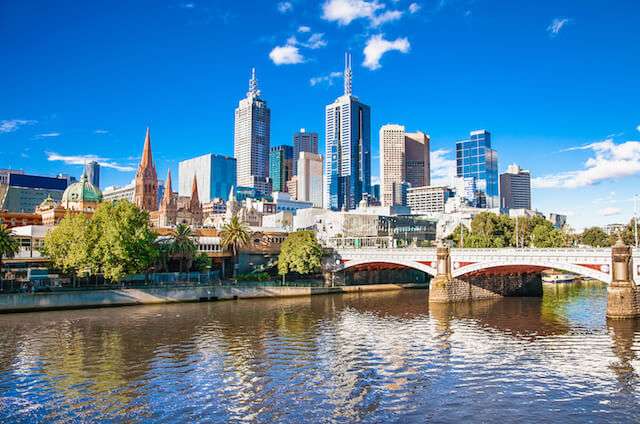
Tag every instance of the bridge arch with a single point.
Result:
(545, 264)
(408, 264)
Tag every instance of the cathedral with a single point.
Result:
(173, 209)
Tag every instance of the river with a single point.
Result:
(376, 357)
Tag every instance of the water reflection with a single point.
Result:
(360, 357)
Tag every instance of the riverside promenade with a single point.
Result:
(79, 299)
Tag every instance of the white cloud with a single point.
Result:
(286, 55)
(11, 125)
(316, 41)
(187, 5)
(304, 28)
(556, 25)
(377, 46)
(101, 131)
(638, 127)
(82, 159)
(443, 169)
(610, 161)
(388, 16)
(414, 7)
(48, 135)
(610, 211)
(346, 11)
(285, 7)
(325, 79)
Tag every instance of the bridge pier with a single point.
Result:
(623, 298)
(446, 289)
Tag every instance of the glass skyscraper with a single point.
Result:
(475, 158)
(280, 166)
(348, 149)
(216, 175)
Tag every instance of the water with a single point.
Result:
(378, 357)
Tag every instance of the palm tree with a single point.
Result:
(235, 234)
(9, 246)
(183, 247)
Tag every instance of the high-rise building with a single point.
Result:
(23, 192)
(146, 190)
(515, 188)
(280, 167)
(404, 162)
(348, 149)
(476, 158)
(92, 171)
(310, 178)
(303, 141)
(252, 136)
(216, 175)
(375, 189)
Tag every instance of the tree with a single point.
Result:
(70, 245)
(125, 242)
(595, 237)
(544, 236)
(182, 247)
(235, 235)
(300, 253)
(9, 246)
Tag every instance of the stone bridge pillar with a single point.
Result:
(622, 299)
(441, 288)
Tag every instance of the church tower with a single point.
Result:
(195, 207)
(168, 205)
(146, 191)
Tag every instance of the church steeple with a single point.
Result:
(146, 191)
(168, 191)
(195, 200)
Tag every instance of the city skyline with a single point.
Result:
(585, 108)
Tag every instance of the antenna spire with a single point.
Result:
(253, 85)
(347, 74)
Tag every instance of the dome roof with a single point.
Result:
(81, 191)
(47, 204)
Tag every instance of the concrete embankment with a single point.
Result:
(20, 302)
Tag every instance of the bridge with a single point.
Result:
(453, 270)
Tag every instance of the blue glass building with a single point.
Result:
(475, 158)
(280, 166)
(348, 149)
(216, 175)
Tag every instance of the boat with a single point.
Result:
(556, 277)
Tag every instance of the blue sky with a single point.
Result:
(556, 82)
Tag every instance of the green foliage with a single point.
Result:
(254, 276)
(201, 262)
(235, 234)
(115, 241)
(8, 244)
(183, 247)
(595, 237)
(300, 253)
(489, 230)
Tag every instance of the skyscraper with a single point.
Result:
(309, 186)
(252, 134)
(303, 141)
(348, 149)
(146, 182)
(404, 162)
(476, 158)
(515, 188)
(216, 175)
(280, 167)
(92, 171)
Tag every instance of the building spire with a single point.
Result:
(168, 190)
(253, 85)
(194, 191)
(147, 158)
(347, 74)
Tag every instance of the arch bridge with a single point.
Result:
(618, 266)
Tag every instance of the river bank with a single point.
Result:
(81, 299)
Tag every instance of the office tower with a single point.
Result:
(476, 158)
(515, 188)
(375, 188)
(404, 162)
(310, 178)
(428, 199)
(280, 167)
(23, 192)
(4, 174)
(303, 141)
(252, 140)
(292, 187)
(146, 191)
(348, 149)
(216, 175)
(92, 171)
